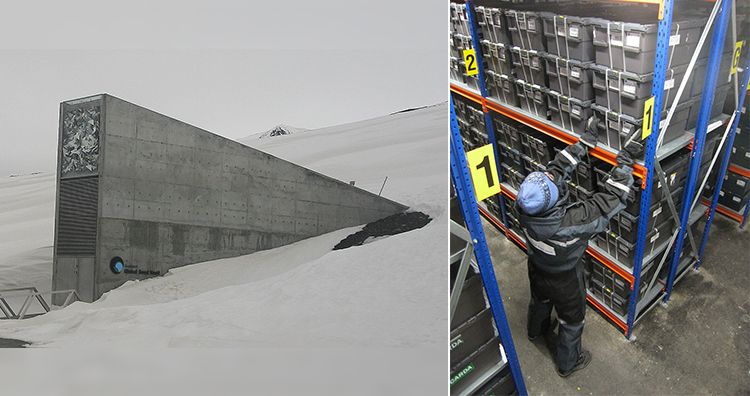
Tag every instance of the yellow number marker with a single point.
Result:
(471, 62)
(483, 171)
(648, 118)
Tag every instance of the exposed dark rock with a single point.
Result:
(390, 225)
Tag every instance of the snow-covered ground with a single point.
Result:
(389, 293)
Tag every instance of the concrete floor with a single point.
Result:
(698, 345)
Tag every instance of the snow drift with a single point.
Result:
(388, 293)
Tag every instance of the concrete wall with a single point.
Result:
(171, 194)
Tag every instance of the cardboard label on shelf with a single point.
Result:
(648, 117)
(669, 84)
(573, 31)
(482, 167)
(633, 40)
(736, 57)
(471, 62)
(674, 40)
(615, 40)
(741, 183)
(629, 87)
(575, 72)
(531, 24)
(561, 30)
(576, 111)
(655, 237)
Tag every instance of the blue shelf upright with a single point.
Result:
(709, 85)
(660, 71)
(467, 199)
(473, 27)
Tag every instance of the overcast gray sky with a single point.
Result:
(233, 68)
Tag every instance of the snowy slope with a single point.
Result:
(389, 293)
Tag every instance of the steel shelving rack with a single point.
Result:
(654, 153)
(741, 215)
(462, 183)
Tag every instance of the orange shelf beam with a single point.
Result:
(724, 211)
(508, 193)
(606, 311)
(496, 222)
(603, 155)
(611, 266)
(518, 240)
(739, 171)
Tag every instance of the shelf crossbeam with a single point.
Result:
(467, 201)
(707, 99)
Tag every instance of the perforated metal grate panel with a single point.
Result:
(76, 234)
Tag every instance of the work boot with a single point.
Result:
(583, 360)
(550, 328)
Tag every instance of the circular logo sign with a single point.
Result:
(116, 265)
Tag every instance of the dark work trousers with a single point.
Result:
(566, 292)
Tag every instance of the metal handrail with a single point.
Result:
(31, 293)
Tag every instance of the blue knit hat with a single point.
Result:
(537, 193)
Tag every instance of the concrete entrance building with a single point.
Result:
(140, 193)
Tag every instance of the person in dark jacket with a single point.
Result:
(557, 234)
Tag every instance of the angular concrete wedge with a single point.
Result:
(139, 193)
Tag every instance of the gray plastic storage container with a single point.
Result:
(471, 301)
(569, 37)
(475, 366)
(627, 92)
(570, 114)
(525, 29)
(728, 43)
(632, 46)
(500, 384)
(491, 23)
(497, 57)
(529, 65)
(470, 335)
(720, 96)
(532, 98)
(569, 77)
(698, 75)
(506, 90)
(615, 128)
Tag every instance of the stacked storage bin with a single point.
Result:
(471, 124)
(736, 186)
(475, 347)
(460, 40)
(570, 55)
(497, 55)
(623, 76)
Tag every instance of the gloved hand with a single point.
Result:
(589, 136)
(632, 150)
